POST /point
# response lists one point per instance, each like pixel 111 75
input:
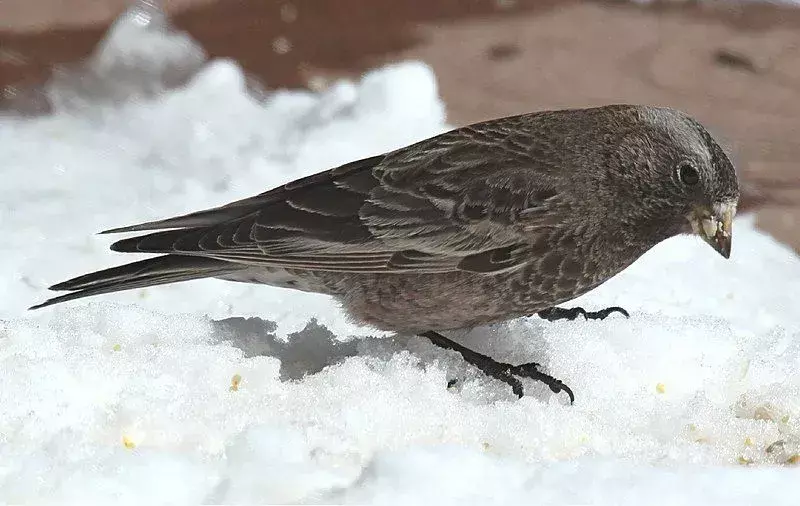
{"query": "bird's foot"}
pixel 507 373
pixel 552 314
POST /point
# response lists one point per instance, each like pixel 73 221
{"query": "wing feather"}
pixel 465 200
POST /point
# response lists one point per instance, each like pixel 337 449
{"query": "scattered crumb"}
pixel 748 441
pixel 235 381
pixel 661 388
pixel 117 347
pixel 128 443
pixel 744 461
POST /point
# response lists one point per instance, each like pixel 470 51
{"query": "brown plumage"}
pixel 481 224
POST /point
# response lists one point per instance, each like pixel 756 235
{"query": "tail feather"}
pixel 205 218
pixel 150 272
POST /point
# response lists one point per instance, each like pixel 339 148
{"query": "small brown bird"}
pixel 485 223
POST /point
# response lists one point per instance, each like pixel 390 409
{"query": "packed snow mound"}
pixel 213 392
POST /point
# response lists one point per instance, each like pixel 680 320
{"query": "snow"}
pixel 214 392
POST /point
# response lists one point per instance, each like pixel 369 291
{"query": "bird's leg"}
pixel 552 314
pixel 504 372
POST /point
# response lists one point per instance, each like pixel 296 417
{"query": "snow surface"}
pixel 212 392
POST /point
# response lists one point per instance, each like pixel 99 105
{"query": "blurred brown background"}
pixel 734 66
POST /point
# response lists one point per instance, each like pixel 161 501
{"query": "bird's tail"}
pixel 153 271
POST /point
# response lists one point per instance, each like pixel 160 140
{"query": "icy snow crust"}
pixel 222 392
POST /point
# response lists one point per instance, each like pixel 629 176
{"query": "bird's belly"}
pixel 458 300
pixel 420 302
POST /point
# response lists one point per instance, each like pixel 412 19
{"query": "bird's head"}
pixel 682 178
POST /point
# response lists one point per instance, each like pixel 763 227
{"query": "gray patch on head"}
pixel 680 127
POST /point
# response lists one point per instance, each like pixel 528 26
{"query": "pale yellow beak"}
pixel 714 226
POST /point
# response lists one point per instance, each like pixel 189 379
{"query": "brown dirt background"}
pixel 734 66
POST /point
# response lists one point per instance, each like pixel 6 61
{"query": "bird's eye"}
pixel 688 174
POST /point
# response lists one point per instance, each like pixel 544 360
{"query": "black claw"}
pixel 601 315
pixel 552 314
pixel 532 371
pixel 499 370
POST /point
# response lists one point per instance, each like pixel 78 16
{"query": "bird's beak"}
pixel 714 225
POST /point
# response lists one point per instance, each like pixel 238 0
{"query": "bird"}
pixel 497 220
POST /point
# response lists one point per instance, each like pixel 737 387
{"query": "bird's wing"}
pixel 464 200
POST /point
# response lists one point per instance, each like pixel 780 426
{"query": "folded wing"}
pixel 468 200
pixel 448 203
